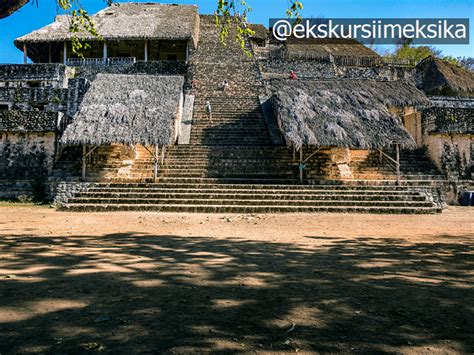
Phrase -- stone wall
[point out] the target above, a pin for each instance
(150, 68)
(63, 191)
(452, 153)
(26, 155)
(14, 189)
(77, 88)
(28, 121)
(303, 68)
(313, 68)
(50, 99)
(448, 120)
(385, 72)
(47, 74)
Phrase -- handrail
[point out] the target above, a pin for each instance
(393, 161)
(311, 155)
(388, 157)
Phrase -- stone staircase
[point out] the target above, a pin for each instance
(236, 121)
(414, 166)
(207, 195)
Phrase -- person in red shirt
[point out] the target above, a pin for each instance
(293, 75)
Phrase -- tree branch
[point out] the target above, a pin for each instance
(8, 7)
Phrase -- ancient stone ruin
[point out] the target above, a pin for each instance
(159, 115)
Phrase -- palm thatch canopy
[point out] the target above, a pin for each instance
(438, 77)
(127, 109)
(127, 21)
(325, 47)
(343, 113)
(260, 31)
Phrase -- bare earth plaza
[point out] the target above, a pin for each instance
(165, 193)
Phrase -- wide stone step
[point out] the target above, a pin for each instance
(253, 202)
(212, 127)
(245, 195)
(234, 135)
(236, 151)
(249, 209)
(230, 131)
(179, 165)
(196, 148)
(228, 143)
(403, 176)
(269, 169)
(254, 194)
(328, 185)
(225, 175)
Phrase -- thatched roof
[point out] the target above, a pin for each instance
(127, 109)
(342, 113)
(325, 47)
(438, 77)
(132, 21)
(260, 31)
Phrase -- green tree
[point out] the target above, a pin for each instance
(236, 11)
(407, 52)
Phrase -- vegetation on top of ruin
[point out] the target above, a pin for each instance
(410, 53)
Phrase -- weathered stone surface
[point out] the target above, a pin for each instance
(55, 73)
(452, 153)
(28, 121)
(448, 120)
(63, 191)
(26, 155)
(27, 99)
(12, 189)
(150, 68)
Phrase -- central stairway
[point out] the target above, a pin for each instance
(210, 195)
(230, 165)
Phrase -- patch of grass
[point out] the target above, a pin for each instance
(10, 203)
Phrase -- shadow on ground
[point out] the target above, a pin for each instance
(129, 293)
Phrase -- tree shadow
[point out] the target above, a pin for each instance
(135, 292)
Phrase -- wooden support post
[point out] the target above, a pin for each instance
(155, 163)
(397, 150)
(49, 52)
(104, 53)
(64, 52)
(380, 156)
(145, 54)
(301, 164)
(25, 54)
(84, 156)
(294, 154)
(162, 156)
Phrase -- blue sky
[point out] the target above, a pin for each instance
(32, 17)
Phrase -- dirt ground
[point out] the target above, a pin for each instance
(176, 283)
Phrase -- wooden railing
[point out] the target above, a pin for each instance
(75, 62)
(348, 61)
(394, 164)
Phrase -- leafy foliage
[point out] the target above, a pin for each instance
(412, 53)
(236, 12)
(80, 22)
(408, 52)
